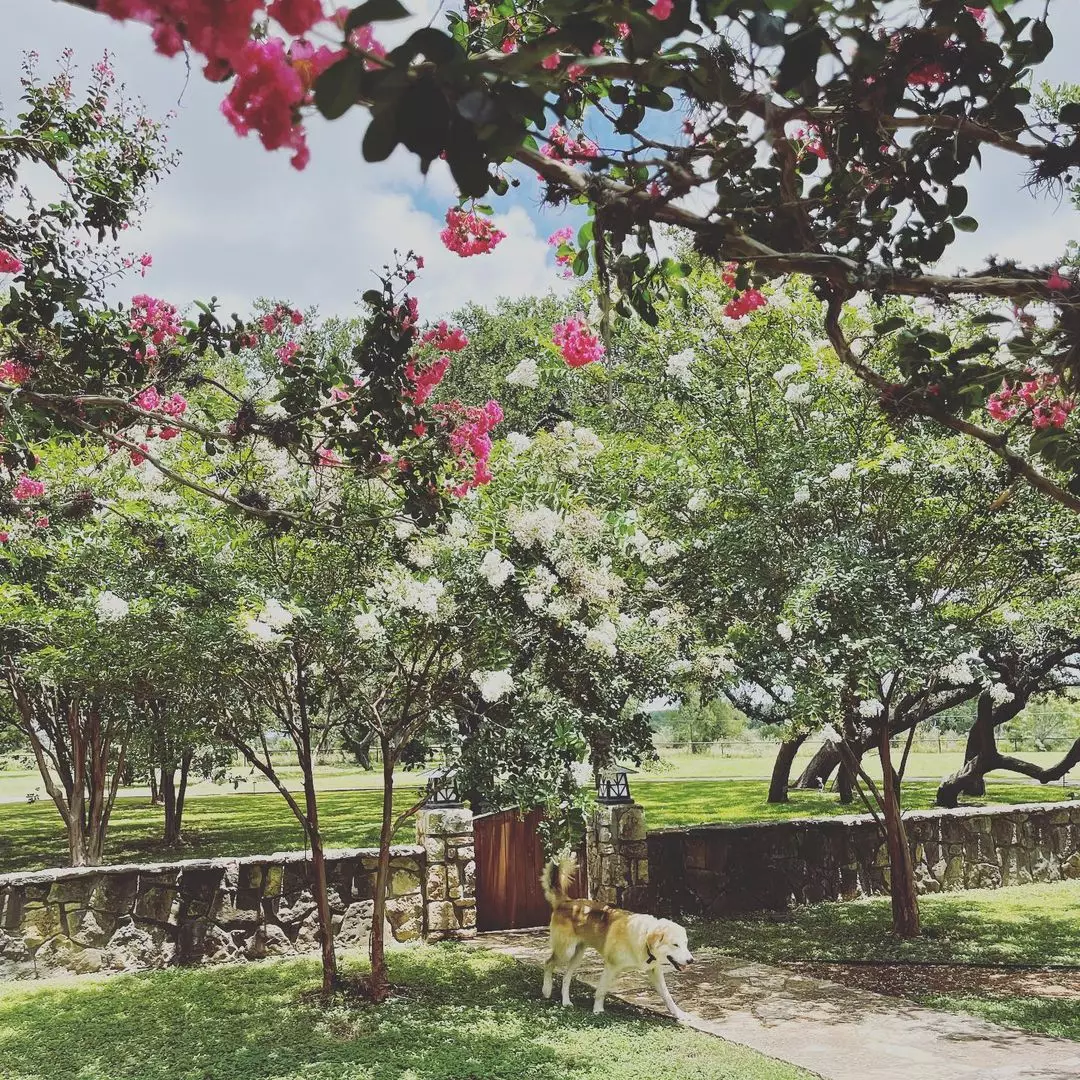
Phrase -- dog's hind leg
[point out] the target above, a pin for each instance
(571, 967)
(549, 973)
(607, 980)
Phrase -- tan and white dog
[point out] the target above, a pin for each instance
(626, 941)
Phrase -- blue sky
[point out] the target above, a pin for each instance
(237, 222)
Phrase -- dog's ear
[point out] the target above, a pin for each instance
(653, 940)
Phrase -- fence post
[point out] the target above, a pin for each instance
(450, 874)
(618, 855)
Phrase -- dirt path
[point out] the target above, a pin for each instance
(841, 1032)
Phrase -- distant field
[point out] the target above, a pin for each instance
(741, 763)
(31, 836)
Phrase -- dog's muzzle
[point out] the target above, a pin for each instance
(677, 966)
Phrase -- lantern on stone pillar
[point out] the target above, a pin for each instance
(442, 790)
(612, 786)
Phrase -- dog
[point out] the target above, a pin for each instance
(625, 940)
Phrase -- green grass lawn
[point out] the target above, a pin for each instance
(32, 837)
(464, 1015)
(1026, 925)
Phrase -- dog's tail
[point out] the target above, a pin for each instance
(556, 877)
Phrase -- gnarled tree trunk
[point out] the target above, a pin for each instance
(905, 901)
(781, 772)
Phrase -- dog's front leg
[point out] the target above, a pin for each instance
(656, 977)
(607, 979)
(549, 972)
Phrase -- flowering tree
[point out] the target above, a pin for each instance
(829, 138)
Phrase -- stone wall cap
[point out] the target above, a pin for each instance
(71, 873)
(847, 820)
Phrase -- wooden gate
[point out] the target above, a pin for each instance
(509, 860)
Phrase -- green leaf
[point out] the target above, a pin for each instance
(585, 234)
(374, 11)
(965, 224)
(381, 136)
(1070, 114)
(581, 263)
(338, 87)
(956, 200)
(766, 30)
(887, 326)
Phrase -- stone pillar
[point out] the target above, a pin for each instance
(618, 856)
(450, 876)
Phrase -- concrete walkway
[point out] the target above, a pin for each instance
(838, 1032)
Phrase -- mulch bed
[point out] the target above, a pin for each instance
(915, 980)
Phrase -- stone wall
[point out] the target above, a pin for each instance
(713, 870)
(617, 856)
(450, 880)
(135, 917)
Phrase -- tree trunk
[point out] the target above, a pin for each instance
(905, 902)
(820, 767)
(379, 985)
(781, 773)
(155, 791)
(318, 866)
(845, 784)
(168, 799)
(181, 792)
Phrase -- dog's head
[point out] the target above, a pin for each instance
(667, 941)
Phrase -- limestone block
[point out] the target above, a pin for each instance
(1070, 868)
(632, 823)
(984, 876)
(468, 918)
(356, 924)
(155, 902)
(440, 916)
(406, 918)
(453, 822)
(272, 881)
(953, 877)
(88, 929)
(464, 852)
(39, 923)
(134, 948)
(115, 893)
(74, 891)
(435, 883)
(435, 849)
(468, 878)
(642, 873)
(293, 910)
(268, 940)
(404, 881)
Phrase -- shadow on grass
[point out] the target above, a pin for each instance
(1044, 1015)
(464, 1016)
(1030, 924)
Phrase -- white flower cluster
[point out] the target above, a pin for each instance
(785, 631)
(266, 626)
(786, 373)
(1000, 694)
(958, 672)
(798, 394)
(870, 709)
(518, 443)
(110, 608)
(526, 374)
(582, 441)
(496, 570)
(534, 525)
(368, 627)
(601, 638)
(697, 501)
(539, 589)
(802, 495)
(398, 590)
(648, 551)
(714, 663)
(582, 772)
(679, 367)
(842, 471)
(493, 685)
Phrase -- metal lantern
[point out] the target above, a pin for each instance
(442, 789)
(612, 787)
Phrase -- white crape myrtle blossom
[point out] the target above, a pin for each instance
(1000, 694)
(398, 590)
(958, 672)
(368, 627)
(601, 638)
(830, 734)
(275, 411)
(582, 772)
(802, 495)
(257, 629)
(534, 525)
(583, 524)
(420, 554)
(666, 551)
(496, 570)
(842, 471)
(110, 607)
(870, 709)
(786, 373)
(404, 529)
(526, 374)
(493, 685)
(899, 468)
(587, 442)
(275, 614)
(518, 443)
(679, 367)
(681, 666)
(784, 630)
(798, 394)
(697, 501)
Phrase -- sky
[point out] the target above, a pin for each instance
(238, 222)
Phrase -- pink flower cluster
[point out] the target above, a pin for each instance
(151, 400)
(218, 31)
(282, 312)
(156, 320)
(286, 352)
(296, 16)
(445, 339)
(8, 263)
(563, 259)
(425, 381)
(13, 373)
(576, 344)
(749, 300)
(978, 14)
(661, 9)
(1046, 410)
(470, 440)
(27, 488)
(564, 147)
(467, 233)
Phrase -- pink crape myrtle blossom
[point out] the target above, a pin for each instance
(286, 352)
(217, 30)
(445, 339)
(325, 458)
(425, 381)
(978, 14)
(13, 373)
(470, 440)
(564, 147)
(661, 9)
(265, 97)
(1039, 395)
(467, 233)
(576, 344)
(1056, 283)
(148, 399)
(8, 263)
(744, 303)
(296, 16)
(156, 321)
(27, 488)
(563, 259)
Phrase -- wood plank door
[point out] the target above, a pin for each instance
(509, 860)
